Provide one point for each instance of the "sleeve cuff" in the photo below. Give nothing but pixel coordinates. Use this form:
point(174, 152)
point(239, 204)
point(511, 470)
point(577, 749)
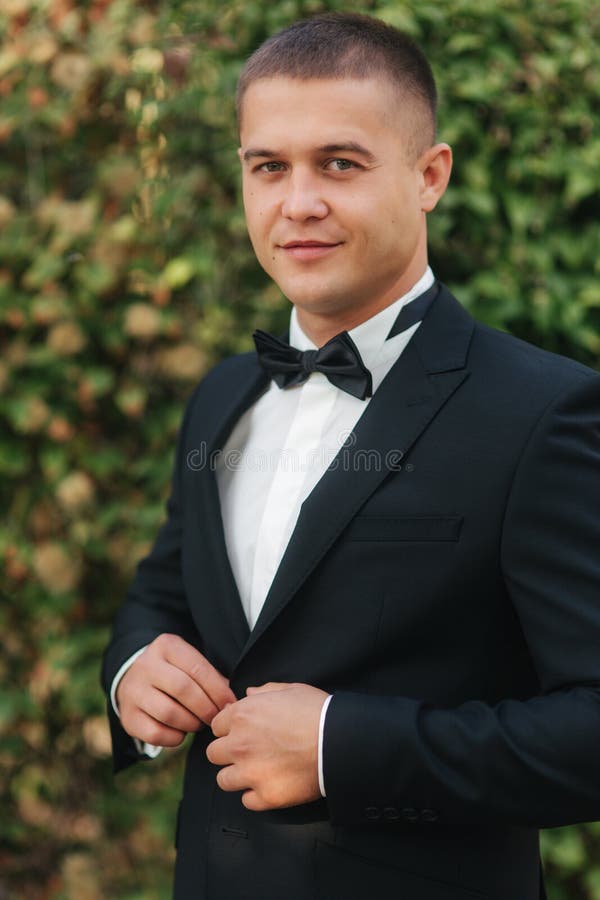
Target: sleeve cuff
point(115, 682)
point(147, 749)
point(320, 749)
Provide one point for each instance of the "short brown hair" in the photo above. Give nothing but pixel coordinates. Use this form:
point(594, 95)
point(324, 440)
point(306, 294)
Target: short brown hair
point(345, 45)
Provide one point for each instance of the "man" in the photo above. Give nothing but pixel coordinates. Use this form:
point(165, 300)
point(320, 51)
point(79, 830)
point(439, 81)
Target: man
point(376, 598)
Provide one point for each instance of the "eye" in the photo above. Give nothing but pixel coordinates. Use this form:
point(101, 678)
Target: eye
point(341, 165)
point(269, 167)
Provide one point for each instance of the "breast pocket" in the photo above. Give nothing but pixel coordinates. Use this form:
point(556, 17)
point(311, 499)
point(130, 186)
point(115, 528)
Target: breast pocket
point(405, 528)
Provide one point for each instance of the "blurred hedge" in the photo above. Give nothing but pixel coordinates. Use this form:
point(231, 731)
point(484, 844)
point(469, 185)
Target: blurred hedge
point(125, 272)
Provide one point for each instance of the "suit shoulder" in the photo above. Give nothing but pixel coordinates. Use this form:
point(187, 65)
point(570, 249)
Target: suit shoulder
point(231, 371)
point(233, 367)
point(222, 395)
point(518, 362)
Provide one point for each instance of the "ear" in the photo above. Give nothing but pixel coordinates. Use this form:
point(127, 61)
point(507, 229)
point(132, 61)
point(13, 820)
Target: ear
point(435, 166)
point(239, 153)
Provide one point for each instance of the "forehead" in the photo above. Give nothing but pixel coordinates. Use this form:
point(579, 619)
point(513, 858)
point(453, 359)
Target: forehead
point(283, 106)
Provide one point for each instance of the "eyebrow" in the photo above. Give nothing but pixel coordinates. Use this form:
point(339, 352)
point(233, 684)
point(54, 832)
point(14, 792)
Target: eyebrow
point(348, 147)
point(344, 147)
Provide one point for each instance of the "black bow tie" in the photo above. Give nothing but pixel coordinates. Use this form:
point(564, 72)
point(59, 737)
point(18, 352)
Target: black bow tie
point(338, 359)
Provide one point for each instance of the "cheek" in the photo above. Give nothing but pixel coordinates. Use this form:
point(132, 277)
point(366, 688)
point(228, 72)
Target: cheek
point(257, 212)
point(378, 218)
point(255, 223)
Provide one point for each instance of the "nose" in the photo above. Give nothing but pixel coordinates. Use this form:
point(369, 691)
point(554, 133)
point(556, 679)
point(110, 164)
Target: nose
point(303, 198)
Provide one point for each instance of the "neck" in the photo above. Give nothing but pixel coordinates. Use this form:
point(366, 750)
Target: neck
point(321, 327)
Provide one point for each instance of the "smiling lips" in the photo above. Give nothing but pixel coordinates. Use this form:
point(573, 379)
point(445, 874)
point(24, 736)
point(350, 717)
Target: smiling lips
point(307, 250)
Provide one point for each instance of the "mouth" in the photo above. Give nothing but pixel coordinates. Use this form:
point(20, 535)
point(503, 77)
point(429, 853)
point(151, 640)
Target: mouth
point(307, 250)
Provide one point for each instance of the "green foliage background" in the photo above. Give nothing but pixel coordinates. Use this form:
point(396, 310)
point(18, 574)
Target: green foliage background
point(125, 272)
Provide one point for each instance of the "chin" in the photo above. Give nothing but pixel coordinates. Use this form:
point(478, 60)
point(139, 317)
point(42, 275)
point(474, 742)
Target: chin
point(318, 306)
point(319, 301)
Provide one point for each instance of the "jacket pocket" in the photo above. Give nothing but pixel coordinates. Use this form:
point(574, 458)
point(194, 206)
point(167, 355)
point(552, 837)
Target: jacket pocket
point(405, 528)
point(341, 875)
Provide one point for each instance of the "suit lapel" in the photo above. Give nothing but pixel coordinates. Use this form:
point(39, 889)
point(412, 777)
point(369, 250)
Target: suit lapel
point(217, 424)
point(428, 372)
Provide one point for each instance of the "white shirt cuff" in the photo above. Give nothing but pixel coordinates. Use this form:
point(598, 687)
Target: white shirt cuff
point(141, 746)
point(147, 749)
point(320, 750)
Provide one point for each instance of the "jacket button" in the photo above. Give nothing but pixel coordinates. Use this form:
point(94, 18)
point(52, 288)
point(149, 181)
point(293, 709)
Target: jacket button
point(372, 813)
point(429, 815)
point(410, 814)
point(391, 813)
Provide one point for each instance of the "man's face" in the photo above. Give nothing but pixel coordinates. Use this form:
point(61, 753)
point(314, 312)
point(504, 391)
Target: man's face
point(332, 192)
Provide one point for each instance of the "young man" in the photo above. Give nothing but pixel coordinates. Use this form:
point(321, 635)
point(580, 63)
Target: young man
point(387, 638)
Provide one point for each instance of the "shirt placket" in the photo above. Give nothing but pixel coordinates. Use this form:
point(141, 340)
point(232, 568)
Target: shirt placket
point(281, 510)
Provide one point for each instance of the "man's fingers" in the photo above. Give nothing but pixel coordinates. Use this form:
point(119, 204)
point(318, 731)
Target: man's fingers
point(212, 682)
point(185, 657)
point(161, 690)
point(231, 779)
point(221, 724)
point(147, 729)
point(252, 801)
point(169, 712)
point(171, 685)
point(219, 752)
point(179, 685)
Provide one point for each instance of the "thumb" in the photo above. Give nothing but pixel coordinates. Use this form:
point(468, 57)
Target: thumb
point(269, 686)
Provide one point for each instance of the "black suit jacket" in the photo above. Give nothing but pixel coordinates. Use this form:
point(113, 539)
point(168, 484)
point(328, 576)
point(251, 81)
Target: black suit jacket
point(443, 582)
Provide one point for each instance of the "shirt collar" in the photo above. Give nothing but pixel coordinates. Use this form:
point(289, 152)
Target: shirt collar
point(370, 335)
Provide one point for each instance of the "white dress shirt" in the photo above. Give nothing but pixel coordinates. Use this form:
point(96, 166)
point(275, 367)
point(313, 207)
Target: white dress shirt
point(277, 452)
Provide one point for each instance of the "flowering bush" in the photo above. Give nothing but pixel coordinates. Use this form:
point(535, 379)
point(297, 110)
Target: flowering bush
point(125, 272)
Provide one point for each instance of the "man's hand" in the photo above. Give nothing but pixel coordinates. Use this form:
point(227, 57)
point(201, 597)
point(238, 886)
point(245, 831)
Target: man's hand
point(169, 690)
point(268, 744)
